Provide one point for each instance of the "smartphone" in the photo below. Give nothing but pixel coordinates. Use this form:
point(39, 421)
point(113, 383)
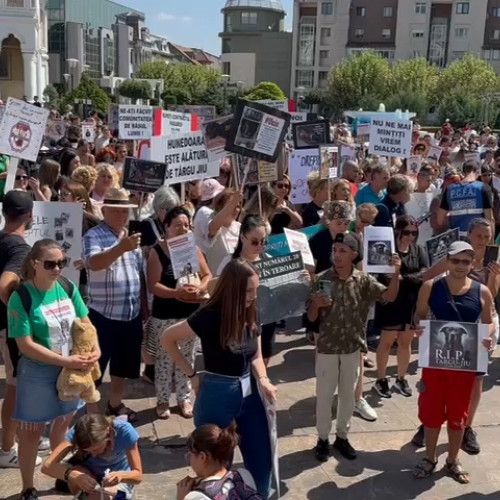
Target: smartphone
point(134, 226)
point(325, 287)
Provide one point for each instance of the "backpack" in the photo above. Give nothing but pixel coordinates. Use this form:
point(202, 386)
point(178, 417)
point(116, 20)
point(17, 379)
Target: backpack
point(240, 491)
point(25, 295)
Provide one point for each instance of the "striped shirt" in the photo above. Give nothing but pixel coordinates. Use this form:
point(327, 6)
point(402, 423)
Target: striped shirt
point(114, 292)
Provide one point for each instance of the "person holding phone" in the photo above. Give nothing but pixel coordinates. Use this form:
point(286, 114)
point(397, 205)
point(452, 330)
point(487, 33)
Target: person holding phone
point(337, 313)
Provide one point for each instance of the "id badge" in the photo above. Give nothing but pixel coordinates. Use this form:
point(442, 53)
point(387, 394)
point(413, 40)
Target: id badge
point(246, 386)
point(65, 350)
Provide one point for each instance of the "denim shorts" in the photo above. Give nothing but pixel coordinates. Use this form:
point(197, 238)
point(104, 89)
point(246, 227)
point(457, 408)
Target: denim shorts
point(37, 400)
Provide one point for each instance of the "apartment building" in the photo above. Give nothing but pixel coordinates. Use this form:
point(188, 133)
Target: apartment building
point(442, 31)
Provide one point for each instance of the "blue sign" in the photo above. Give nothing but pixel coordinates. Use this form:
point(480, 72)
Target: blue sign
point(278, 246)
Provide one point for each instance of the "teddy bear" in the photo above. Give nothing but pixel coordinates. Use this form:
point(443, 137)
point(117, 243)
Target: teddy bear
point(75, 384)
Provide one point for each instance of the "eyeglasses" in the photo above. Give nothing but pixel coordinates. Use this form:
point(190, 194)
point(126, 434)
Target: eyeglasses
point(21, 177)
point(256, 243)
point(50, 265)
point(463, 262)
point(282, 185)
point(408, 232)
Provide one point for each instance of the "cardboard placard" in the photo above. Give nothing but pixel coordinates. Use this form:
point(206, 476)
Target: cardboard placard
point(378, 249)
point(143, 176)
point(135, 122)
point(437, 247)
point(329, 157)
point(268, 172)
point(308, 135)
point(390, 137)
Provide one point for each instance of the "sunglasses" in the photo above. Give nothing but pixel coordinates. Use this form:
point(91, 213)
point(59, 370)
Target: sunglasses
point(408, 232)
point(463, 262)
point(50, 265)
point(256, 243)
point(21, 177)
point(282, 185)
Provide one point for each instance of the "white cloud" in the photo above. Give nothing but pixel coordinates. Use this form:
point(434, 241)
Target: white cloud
point(168, 18)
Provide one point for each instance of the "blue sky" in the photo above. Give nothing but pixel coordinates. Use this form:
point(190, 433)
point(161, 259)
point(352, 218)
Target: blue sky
point(192, 23)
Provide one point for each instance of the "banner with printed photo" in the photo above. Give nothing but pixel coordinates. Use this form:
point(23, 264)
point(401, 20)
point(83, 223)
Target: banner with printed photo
point(329, 157)
point(378, 250)
point(257, 131)
point(22, 129)
point(450, 345)
point(89, 131)
point(437, 247)
point(55, 129)
point(185, 156)
point(284, 288)
point(184, 255)
point(216, 133)
point(143, 176)
point(61, 222)
point(301, 164)
point(414, 164)
point(308, 135)
point(135, 122)
point(390, 137)
point(434, 153)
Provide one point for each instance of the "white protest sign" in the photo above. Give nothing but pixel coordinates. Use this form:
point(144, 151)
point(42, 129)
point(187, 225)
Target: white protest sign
point(185, 156)
point(414, 164)
point(184, 255)
point(61, 222)
point(296, 117)
point(301, 163)
point(476, 156)
point(281, 105)
point(175, 123)
point(378, 249)
point(363, 129)
point(135, 122)
point(298, 242)
point(390, 137)
point(434, 153)
point(22, 129)
point(88, 131)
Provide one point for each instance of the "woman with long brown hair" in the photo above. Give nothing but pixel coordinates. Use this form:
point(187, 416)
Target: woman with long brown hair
point(284, 214)
point(50, 172)
point(235, 370)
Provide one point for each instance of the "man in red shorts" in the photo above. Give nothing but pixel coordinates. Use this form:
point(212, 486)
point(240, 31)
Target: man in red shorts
point(445, 394)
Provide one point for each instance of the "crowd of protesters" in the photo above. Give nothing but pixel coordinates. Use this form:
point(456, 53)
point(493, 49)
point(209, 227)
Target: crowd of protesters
point(146, 316)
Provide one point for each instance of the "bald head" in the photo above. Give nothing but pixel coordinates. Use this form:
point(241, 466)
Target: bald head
point(350, 170)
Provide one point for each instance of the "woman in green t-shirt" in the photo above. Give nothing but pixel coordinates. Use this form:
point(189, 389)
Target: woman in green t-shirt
point(41, 325)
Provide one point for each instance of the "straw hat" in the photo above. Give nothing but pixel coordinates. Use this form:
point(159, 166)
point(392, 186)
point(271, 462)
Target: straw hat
point(118, 198)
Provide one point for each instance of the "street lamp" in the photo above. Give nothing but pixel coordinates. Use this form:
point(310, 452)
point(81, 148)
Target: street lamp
point(72, 64)
point(66, 77)
point(225, 80)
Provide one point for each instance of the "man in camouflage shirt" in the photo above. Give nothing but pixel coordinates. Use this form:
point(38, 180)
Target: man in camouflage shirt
point(338, 312)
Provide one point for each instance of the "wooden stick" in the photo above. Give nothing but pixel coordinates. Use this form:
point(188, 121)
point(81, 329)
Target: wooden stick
point(11, 174)
point(259, 192)
point(183, 193)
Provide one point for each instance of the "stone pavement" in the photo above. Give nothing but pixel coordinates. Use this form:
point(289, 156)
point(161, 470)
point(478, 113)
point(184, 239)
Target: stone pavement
point(382, 470)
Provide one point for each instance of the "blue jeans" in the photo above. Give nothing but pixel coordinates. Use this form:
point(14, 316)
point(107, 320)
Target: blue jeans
point(219, 402)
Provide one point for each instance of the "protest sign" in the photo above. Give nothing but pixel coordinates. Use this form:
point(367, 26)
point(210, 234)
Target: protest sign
point(348, 153)
point(476, 156)
point(184, 255)
point(61, 222)
point(135, 122)
point(257, 131)
point(281, 105)
point(204, 113)
point(185, 157)
point(308, 135)
point(449, 345)
point(363, 130)
point(277, 245)
point(414, 164)
point(298, 242)
point(492, 254)
point(390, 137)
point(268, 172)
point(284, 288)
point(421, 149)
point(437, 247)
point(216, 133)
point(55, 129)
point(248, 171)
point(88, 131)
point(295, 117)
point(173, 123)
point(22, 129)
point(329, 157)
point(113, 116)
point(143, 176)
point(378, 249)
point(434, 153)
point(301, 164)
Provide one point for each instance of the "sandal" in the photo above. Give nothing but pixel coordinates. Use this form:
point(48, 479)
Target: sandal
point(121, 410)
point(186, 409)
point(424, 468)
point(455, 471)
point(163, 411)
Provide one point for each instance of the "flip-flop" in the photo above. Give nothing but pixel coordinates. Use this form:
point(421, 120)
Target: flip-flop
point(121, 410)
point(455, 471)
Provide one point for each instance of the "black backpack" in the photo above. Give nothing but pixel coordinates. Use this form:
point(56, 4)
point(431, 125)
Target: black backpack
point(25, 295)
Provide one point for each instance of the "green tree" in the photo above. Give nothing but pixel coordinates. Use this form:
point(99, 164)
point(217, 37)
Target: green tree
point(135, 89)
point(51, 95)
point(360, 80)
point(180, 95)
point(265, 91)
point(87, 89)
point(415, 75)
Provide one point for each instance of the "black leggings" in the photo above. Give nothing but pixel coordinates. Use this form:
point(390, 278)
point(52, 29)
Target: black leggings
point(267, 339)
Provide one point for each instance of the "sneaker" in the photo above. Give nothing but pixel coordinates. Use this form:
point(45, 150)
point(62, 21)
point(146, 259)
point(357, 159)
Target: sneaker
point(419, 438)
point(44, 444)
point(345, 448)
point(368, 363)
point(469, 442)
point(382, 388)
point(9, 459)
point(322, 450)
point(365, 411)
point(403, 386)
point(29, 494)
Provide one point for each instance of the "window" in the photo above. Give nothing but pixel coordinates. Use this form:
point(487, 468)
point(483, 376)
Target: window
point(359, 33)
point(226, 68)
point(420, 8)
point(486, 54)
point(495, 12)
point(323, 75)
point(417, 34)
point(307, 35)
point(496, 55)
point(326, 32)
point(304, 78)
point(324, 54)
point(387, 11)
point(360, 11)
point(249, 18)
point(463, 7)
point(327, 8)
point(15, 3)
point(386, 33)
point(461, 33)
point(416, 54)
point(495, 35)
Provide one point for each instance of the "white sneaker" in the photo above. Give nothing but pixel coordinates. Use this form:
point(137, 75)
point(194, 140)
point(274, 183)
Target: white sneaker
point(44, 444)
point(365, 411)
point(9, 459)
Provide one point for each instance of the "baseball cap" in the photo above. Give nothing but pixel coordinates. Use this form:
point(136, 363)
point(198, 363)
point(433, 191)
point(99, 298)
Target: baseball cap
point(17, 203)
point(459, 247)
point(210, 188)
point(350, 240)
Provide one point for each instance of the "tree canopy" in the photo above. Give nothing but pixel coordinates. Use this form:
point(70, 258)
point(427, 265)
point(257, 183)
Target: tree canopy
point(265, 91)
point(135, 89)
point(88, 89)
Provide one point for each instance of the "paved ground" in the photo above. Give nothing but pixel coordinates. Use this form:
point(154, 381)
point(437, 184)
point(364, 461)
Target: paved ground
point(382, 470)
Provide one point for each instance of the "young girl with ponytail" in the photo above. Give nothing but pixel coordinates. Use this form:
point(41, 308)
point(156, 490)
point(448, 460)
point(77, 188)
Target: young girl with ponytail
point(210, 451)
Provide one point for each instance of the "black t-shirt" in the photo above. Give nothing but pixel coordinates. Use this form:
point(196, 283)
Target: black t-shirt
point(311, 215)
point(233, 362)
point(279, 221)
point(13, 251)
